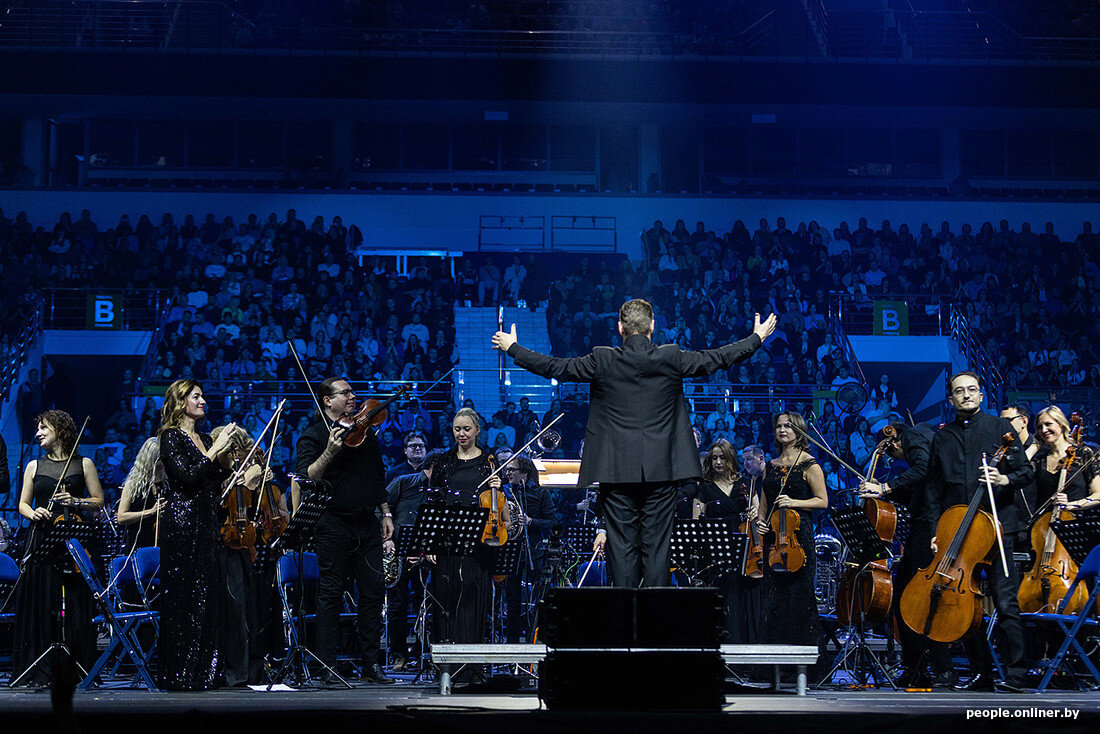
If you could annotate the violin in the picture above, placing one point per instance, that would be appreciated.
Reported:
(786, 555)
(943, 602)
(754, 554)
(238, 531)
(372, 415)
(496, 531)
(1045, 585)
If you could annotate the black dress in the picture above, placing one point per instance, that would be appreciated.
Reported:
(742, 593)
(191, 634)
(790, 604)
(1046, 482)
(38, 596)
(462, 586)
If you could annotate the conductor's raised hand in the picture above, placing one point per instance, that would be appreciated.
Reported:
(503, 340)
(763, 330)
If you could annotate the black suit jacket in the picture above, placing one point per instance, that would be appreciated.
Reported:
(638, 425)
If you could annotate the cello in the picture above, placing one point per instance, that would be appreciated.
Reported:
(1051, 575)
(943, 602)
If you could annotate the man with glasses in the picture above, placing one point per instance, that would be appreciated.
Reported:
(955, 473)
(1020, 417)
(415, 446)
(349, 533)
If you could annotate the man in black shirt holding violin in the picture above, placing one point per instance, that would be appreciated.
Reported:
(349, 534)
(955, 474)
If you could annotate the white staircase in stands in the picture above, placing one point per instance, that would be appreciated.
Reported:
(478, 374)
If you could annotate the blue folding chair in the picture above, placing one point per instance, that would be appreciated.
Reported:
(147, 571)
(286, 576)
(121, 624)
(9, 577)
(1071, 624)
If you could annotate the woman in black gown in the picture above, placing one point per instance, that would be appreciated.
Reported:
(1053, 431)
(724, 494)
(38, 597)
(463, 586)
(194, 585)
(791, 480)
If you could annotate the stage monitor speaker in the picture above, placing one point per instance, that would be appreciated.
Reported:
(651, 618)
(648, 649)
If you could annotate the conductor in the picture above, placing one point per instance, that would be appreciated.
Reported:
(638, 444)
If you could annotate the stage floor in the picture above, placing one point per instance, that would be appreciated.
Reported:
(420, 708)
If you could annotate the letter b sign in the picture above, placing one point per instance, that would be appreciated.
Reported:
(104, 312)
(891, 318)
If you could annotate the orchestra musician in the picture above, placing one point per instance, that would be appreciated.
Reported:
(143, 497)
(192, 576)
(38, 598)
(349, 533)
(536, 517)
(638, 445)
(462, 586)
(1020, 417)
(955, 472)
(1082, 488)
(910, 489)
(406, 493)
(792, 481)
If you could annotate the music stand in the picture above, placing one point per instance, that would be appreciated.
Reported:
(864, 546)
(1079, 535)
(439, 530)
(299, 535)
(698, 546)
(50, 549)
(579, 538)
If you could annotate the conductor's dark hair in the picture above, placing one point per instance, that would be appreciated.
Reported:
(635, 316)
(965, 373)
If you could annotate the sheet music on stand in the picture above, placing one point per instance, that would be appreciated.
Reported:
(50, 545)
(444, 530)
(860, 537)
(703, 544)
(1079, 535)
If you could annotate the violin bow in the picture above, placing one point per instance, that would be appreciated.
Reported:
(828, 451)
(996, 520)
(64, 470)
(305, 378)
(517, 453)
(270, 451)
(255, 445)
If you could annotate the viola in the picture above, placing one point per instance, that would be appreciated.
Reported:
(372, 414)
(272, 519)
(1046, 584)
(786, 555)
(238, 531)
(496, 531)
(943, 601)
(754, 554)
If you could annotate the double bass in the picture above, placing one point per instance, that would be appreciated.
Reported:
(1051, 575)
(943, 601)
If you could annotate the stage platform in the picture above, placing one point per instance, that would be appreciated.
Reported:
(420, 708)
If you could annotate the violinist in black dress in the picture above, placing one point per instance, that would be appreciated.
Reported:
(1082, 488)
(725, 493)
(38, 596)
(791, 480)
(462, 586)
(192, 606)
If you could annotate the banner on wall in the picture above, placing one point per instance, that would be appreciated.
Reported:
(104, 312)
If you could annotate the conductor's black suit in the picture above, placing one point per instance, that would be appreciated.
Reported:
(638, 444)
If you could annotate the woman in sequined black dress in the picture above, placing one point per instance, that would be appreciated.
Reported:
(463, 586)
(194, 587)
(38, 596)
(790, 605)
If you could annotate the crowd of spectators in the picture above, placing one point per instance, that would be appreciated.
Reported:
(239, 292)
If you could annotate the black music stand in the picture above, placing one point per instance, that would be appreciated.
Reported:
(864, 546)
(440, 530)
(298, 536)
(707, 545)
(579, 538)
(1079, 535)
(49, 549)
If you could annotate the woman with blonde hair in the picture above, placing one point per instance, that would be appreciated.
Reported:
(142, 500)
(194, 585)
(1082, 488)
